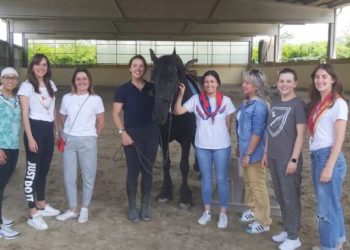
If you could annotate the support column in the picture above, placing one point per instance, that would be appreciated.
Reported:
(277, 48)
(25, 50)
(250, 51)
(331, 39)
(11, 61)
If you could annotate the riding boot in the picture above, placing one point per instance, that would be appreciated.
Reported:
(132, 211)
(144, 207)
(146, 186)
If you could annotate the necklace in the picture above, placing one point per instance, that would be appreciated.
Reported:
(10, 101)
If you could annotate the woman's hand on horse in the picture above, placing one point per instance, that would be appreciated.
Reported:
(182, 88)
(126, 139)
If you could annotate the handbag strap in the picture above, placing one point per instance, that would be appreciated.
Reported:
(76, 116)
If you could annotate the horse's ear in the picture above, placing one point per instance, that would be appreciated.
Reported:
(174, 56)
(153, 56)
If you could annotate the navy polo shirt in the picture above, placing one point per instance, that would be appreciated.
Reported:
(137, 105)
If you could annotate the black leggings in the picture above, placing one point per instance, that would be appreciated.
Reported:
(38, 164)
(146, 140)
(6, 171)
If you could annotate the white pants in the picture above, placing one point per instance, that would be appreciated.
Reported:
(80, 150)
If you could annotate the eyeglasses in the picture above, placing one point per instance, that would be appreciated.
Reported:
(8, 78)
(255, 71)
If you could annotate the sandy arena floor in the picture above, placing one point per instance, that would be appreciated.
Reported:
(170, 227)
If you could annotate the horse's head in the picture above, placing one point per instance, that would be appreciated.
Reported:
(167, 72)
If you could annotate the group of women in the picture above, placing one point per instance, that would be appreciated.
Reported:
(262, 126)
(82, 119)
(270, 134)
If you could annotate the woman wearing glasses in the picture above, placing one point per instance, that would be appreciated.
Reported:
(10, 127)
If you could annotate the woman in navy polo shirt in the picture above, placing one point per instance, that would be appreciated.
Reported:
(139, 134)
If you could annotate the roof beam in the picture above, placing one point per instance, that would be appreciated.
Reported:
(153, 37)
(338, 3)
(289, 1)
(316, 2)
(271, 12)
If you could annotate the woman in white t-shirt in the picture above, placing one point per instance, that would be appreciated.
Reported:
(82, 116)
(37, 98)
(327, 118)
(214, 113)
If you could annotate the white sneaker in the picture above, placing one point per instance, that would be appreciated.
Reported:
(290, 244)
(68, 214)
(7, 222)
(257, 228)
(222, 223)
(247, 216)
(282, 236)
(84, 215)
(8, 233)
(251, 224)
(205, 218)
(37, 222)
(48, 211)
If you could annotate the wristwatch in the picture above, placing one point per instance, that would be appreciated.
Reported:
(248, 154)
(120, 131)
(293, 160)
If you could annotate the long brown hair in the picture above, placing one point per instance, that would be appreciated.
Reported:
(37, 58)
(337, 87)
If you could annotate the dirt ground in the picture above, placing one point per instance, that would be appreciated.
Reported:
(170, 227)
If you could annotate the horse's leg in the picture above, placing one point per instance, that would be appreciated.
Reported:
(196, 165)
(185, 192)
(166, 193)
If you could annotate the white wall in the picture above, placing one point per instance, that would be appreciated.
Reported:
(111, 76)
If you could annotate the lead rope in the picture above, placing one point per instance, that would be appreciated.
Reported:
(171, 113)
(140, 155)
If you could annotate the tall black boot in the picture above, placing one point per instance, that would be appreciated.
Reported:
(144, 213)
(132, 211)
(146, 186)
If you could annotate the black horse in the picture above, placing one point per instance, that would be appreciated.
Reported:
(167, 73)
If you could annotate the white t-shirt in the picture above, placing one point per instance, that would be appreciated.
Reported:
(41, 106)
(324, 133)
(85, 123)
(209, 134)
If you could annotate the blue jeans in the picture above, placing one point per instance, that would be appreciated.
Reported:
(220, 158)
(329, 209)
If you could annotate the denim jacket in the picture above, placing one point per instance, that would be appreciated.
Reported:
(252, 119)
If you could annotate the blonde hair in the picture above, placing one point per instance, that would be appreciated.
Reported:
(259, 80)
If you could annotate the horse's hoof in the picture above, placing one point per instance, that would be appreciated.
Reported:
(163, 200)
(185, 207)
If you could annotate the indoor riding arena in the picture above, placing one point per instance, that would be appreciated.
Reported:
(222, 35)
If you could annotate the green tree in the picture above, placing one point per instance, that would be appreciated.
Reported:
(286, 36)
(255, 55)
(304, 51)
(78, 53)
